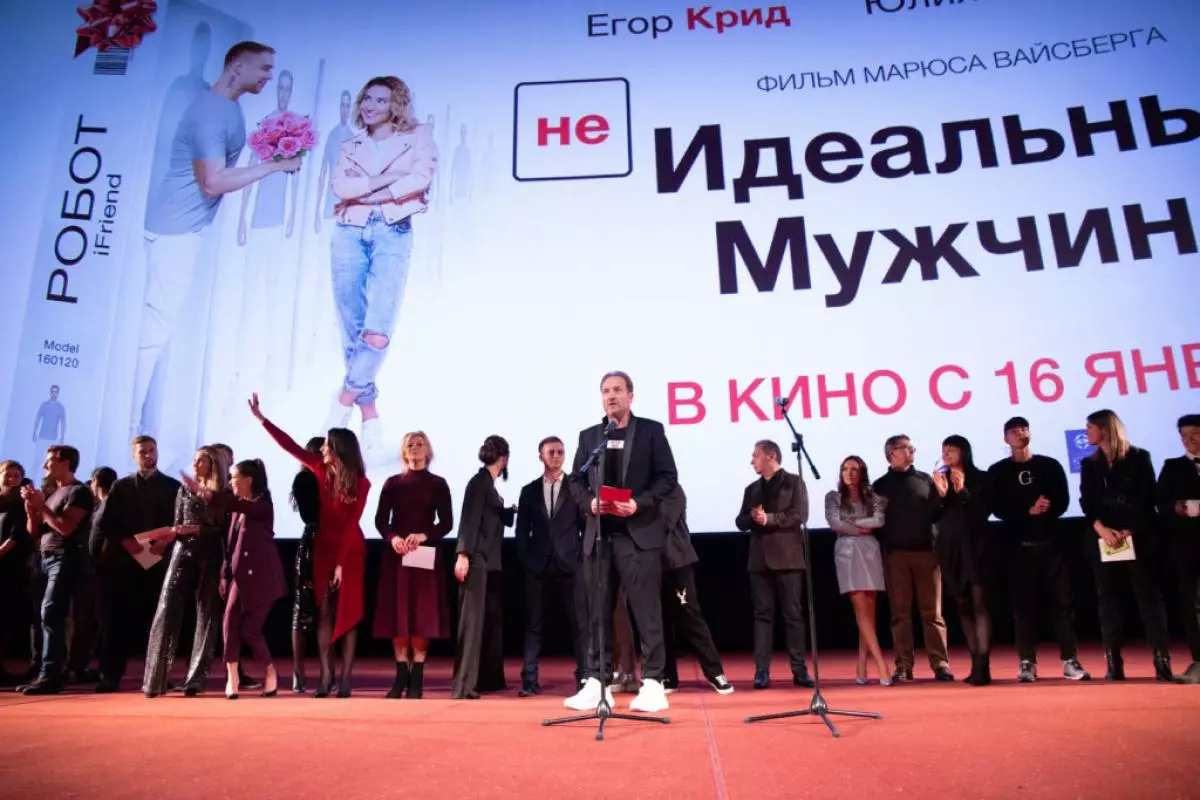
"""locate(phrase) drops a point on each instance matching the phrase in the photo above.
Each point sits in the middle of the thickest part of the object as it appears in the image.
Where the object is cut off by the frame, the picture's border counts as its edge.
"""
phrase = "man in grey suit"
(774, 510)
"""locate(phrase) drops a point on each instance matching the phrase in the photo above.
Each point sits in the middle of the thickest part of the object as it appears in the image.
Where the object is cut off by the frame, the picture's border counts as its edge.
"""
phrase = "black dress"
(306, 494)
(193, 576)
(962, 534)
(15, 571)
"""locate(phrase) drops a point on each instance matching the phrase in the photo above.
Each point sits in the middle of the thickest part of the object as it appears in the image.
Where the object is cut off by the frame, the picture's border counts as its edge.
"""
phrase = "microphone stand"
(603, 712)
(817, 706)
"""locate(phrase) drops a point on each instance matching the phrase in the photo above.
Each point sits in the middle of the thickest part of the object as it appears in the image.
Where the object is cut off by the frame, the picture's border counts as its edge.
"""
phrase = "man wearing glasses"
(912, 568)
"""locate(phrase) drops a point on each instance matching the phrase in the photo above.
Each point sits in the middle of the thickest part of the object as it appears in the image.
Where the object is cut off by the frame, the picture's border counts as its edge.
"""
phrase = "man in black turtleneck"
(913, 505)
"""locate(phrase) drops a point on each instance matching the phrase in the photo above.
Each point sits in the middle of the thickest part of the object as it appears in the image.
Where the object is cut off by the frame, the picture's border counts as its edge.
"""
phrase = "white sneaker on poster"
(339, 415)
(372, 439)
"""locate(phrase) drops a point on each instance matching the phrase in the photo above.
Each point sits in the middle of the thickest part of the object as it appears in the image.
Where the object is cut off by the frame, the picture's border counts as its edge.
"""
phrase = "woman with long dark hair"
(1117, 494)
(306, 500)
(414, 511)
(16, 571)
(854, 512)
(251, 573)
(480, 532)
(339, 551)
(193, 577)
(381, 179)
(961, 547)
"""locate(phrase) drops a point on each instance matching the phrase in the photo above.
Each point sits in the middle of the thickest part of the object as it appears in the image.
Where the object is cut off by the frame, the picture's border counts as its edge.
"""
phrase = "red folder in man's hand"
(611, 494)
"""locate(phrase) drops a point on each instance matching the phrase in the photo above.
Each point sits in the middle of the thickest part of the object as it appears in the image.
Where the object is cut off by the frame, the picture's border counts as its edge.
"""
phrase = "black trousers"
(85, 622)
(616, 559)
(1140, 574)
(472, 610)
(193, 579)
(118, 585)
(785, 587)
(1187, 565)
(563, 589)
(491, 654)
(682, 614)
(1036, 571)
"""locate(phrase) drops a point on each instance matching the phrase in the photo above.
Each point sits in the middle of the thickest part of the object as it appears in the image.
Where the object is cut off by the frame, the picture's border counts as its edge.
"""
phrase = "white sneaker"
(372, 438)
(651, 698)
(339, 415)
(588, 697)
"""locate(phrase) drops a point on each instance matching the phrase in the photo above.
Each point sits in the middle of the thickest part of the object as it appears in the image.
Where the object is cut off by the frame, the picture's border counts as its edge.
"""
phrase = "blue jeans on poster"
(370, 268)
(61, 570)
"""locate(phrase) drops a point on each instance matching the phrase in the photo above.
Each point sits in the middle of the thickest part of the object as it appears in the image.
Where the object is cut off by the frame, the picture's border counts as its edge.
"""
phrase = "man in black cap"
(1029, 494)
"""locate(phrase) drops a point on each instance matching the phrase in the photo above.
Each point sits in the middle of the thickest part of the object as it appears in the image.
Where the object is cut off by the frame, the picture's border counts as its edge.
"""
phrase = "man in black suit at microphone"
(549, 529)
(637, 461)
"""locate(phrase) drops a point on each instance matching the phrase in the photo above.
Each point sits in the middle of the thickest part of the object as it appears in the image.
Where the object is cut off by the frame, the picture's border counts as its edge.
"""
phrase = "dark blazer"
(648, 468)
(1179, 480)
(483, 520)
(544, 540)
(134, 505)
(1121, 496)
(776, 545)
(678, 551)
(251, 557)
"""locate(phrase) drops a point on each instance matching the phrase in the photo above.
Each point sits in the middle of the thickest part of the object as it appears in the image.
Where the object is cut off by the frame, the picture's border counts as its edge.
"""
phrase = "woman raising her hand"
(339, 550)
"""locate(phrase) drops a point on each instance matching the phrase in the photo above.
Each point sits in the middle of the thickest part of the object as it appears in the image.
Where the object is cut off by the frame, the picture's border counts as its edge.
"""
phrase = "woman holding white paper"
(1117, 495)
(414, 514)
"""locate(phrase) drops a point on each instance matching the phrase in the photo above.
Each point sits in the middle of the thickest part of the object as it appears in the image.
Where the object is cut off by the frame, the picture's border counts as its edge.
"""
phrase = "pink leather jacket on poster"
(412, 153)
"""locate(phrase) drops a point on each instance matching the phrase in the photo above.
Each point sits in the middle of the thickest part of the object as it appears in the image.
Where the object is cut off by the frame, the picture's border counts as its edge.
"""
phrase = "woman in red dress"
(339, 550)
(414, 511)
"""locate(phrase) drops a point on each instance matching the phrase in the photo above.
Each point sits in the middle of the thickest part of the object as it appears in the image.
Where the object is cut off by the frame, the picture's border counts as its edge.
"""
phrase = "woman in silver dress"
(854, 513)
(193, 576)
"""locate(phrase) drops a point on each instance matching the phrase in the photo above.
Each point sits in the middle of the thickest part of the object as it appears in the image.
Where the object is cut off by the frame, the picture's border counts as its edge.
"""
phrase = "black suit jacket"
(1179, 480)
(544, 540)
(649, 472)
(1122, 496)
(481, 526)
(776, 545)
(678, 551)
(134, 505)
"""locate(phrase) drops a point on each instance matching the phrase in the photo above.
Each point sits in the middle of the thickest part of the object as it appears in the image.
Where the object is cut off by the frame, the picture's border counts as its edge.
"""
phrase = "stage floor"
(1053, 739)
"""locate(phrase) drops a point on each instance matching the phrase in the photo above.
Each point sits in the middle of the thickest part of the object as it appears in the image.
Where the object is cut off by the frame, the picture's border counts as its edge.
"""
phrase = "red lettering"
(1191, 364)
(675, 403)
(1117, 372)
(1141, 369)
(901, 392)
(800, 386)
(1040, 377)
(935, 391)
(824, 395)
(563, 130)
(738, 399)
(592, 129)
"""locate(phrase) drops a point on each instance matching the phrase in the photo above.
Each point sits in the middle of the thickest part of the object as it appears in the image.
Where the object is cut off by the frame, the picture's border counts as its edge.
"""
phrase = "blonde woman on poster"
(382, 178)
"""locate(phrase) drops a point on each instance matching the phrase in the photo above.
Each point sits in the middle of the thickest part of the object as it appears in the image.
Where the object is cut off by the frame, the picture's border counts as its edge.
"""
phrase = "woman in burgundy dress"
(414, 510)
(339, 551)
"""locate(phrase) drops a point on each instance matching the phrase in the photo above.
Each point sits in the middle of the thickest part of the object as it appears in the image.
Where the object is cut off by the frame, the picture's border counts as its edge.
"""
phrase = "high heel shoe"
(267, 679)
(298, 685)
(860, 676)
(344, 687)
(324, 688)
(230, 695)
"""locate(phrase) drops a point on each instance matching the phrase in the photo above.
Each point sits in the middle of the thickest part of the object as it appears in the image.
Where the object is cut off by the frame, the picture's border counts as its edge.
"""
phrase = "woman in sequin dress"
(306, 500)
(193, 576)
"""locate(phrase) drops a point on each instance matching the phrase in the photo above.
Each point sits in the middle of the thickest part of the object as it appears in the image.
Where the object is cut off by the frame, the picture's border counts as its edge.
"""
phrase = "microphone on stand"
(782, 403)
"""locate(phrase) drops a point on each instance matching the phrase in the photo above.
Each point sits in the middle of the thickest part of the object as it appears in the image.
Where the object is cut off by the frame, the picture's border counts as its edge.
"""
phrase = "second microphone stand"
(817, 707)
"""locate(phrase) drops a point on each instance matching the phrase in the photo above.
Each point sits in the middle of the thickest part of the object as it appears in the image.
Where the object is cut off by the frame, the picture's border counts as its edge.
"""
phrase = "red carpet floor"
(1054, 739)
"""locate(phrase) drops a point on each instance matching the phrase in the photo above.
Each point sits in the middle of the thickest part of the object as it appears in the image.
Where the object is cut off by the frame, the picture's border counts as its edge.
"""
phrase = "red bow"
(114, 23)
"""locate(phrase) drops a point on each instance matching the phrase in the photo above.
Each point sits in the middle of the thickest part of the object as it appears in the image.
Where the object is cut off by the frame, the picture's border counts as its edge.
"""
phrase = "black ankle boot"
(1162, 666)
(401, 681)
(974, 673)
(416, 681)
(1116, 666)
(983, 669)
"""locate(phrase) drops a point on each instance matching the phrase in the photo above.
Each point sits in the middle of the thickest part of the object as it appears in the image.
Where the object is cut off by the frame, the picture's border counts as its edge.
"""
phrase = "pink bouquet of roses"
(282, 136)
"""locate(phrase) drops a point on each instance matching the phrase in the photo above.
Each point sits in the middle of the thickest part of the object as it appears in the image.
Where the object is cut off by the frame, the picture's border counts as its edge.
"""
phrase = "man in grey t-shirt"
(202, 170)
(49, 426)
